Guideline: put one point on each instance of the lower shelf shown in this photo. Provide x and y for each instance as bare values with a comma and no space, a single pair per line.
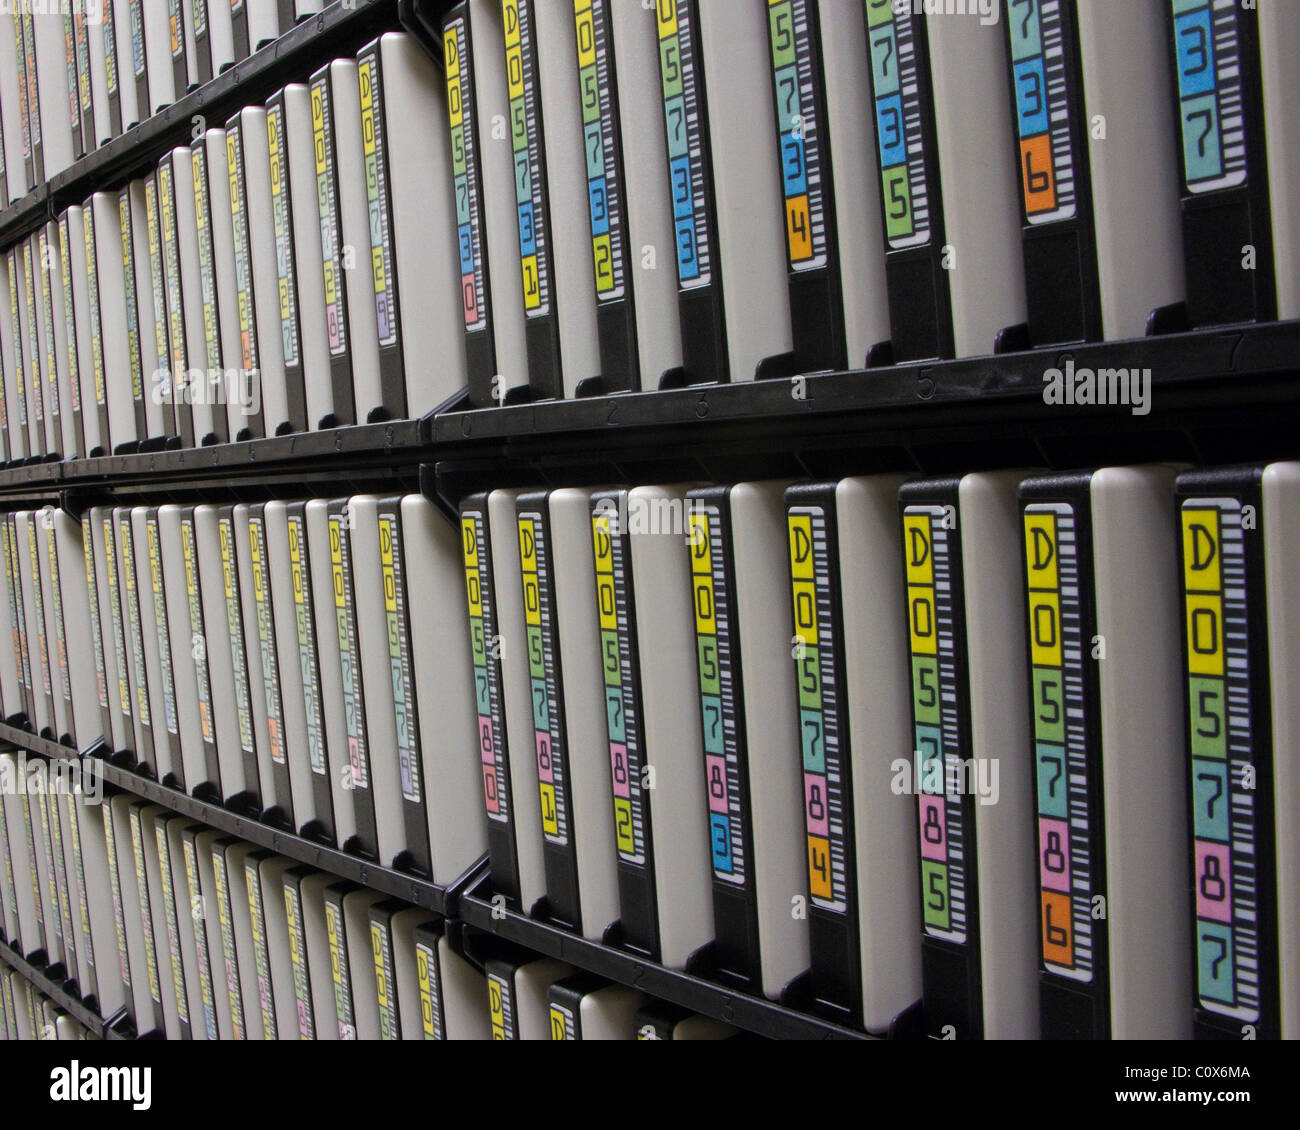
409,888
63,993
478,911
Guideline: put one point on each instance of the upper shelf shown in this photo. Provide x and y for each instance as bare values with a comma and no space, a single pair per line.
346,24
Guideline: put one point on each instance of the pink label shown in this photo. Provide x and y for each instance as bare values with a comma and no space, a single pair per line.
545,764
1213,881
486,745
618,767
469,289
715,769
1054,854
934,829
490,795
332,322
816,810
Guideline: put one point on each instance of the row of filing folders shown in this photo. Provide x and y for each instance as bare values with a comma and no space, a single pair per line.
200,935
249,285
697,192
649,757
305,663
1035,763
572,207
74,75
28,1014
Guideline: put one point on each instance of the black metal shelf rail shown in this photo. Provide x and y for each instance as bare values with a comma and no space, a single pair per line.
1215,396
468,900
480,912
343,26
51,982
367,873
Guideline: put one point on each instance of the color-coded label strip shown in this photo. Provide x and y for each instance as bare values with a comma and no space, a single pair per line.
207,274
796,69
688,152
146,915
162,343
298,958
198,639
399,655
159,598
305,624
457,67
501,1007
345,617
230,959
487,681
169,916
543,671
376,164
1224,817
1043,110
327,205
526,143
1066,868
822,756
339,972
718,707
613,602
936,699
285,268
896,89
127,551
243,252
385,986
235,628
92,593
601,144
262,959
428,982
1211,100
266,639
201,958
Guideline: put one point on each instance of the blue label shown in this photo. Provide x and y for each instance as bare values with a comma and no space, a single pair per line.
810,739
1201,148
720,838
793,171
1031,97
527,233
889,129
1053,781
466,250
599,209
1211,800
1214,961
688,266
1194,36
614,715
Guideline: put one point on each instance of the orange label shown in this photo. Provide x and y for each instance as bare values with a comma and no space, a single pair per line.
1058,929
1037,174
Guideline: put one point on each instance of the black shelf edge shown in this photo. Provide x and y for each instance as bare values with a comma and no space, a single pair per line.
1205,368
418,892
251,81
58,992
751,1014
377,449
374,450
30,478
